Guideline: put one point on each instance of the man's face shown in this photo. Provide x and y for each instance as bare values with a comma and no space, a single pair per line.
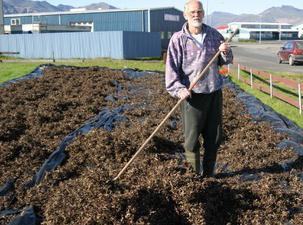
194,14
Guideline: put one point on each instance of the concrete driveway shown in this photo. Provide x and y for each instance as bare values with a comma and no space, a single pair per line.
263,56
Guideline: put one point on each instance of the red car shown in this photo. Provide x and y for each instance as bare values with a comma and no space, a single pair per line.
292,52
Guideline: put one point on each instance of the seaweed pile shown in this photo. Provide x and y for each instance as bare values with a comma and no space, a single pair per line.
256,182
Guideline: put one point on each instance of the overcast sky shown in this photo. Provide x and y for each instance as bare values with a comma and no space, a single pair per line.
231,6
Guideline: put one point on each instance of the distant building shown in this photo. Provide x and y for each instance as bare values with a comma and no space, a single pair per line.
299,28
166,21
44,28
261,31
224,30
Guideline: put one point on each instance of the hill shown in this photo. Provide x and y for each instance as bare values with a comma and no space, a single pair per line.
283,14
28,6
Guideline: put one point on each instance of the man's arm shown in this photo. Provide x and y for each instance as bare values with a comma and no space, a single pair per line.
173,68
226,56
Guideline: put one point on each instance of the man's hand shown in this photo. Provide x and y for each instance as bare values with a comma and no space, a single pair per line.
184,93
224,47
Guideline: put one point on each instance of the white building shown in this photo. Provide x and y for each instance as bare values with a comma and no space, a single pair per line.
299,28
263,31
43,28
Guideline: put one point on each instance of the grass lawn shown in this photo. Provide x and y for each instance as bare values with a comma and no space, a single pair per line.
289,111
15,69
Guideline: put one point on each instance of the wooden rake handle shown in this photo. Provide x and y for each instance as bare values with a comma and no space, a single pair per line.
200,76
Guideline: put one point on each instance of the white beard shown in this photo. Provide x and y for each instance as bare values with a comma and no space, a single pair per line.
196,23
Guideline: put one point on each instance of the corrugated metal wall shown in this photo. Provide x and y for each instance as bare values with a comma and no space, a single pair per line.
167,20
109,21
141,44
113,44
103,21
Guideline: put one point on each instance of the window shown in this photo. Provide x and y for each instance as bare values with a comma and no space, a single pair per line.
15,21
288,45
251,26
268,26
36,19
170,17
286,26
169,34
162,33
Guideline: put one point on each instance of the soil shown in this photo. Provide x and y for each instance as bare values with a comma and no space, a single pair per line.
255,182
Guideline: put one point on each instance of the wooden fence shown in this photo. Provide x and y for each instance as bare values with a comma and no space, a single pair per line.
272,85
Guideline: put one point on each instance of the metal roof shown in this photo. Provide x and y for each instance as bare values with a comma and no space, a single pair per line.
85,11
263,23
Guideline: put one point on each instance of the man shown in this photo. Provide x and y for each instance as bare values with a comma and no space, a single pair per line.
189,51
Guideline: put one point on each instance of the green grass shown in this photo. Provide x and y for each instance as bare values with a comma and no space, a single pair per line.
289,111
277,86
13,70
288,75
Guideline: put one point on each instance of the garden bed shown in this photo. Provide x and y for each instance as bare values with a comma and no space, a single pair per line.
256,182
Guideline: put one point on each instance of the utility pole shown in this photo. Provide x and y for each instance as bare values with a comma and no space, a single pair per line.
1,18
206,14
280,32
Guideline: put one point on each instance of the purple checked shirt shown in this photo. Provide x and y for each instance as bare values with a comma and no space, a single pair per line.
186,59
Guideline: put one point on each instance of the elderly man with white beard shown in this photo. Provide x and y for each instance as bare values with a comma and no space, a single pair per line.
189,51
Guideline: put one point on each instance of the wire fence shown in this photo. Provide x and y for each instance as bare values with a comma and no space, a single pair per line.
286,90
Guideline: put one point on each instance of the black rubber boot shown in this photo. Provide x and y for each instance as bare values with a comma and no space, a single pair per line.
208,169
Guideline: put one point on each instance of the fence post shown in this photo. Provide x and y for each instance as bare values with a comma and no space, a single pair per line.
54,57
270,85
300,101
238,71
251,79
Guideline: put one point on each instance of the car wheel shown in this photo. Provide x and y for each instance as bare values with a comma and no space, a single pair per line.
279,59
291,61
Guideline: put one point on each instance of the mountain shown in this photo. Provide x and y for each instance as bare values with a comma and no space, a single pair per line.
283,14
101,5
220,18
64,7
29,6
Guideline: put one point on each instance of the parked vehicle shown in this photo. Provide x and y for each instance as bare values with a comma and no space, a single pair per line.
292,52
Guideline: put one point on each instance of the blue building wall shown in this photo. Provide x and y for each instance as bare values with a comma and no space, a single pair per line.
160,23
166,21
109,20
136,20
112,44
144,20
47,19
141,44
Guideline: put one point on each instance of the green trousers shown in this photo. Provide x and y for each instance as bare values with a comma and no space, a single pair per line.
202,117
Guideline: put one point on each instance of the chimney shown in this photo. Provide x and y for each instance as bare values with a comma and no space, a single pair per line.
1,18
